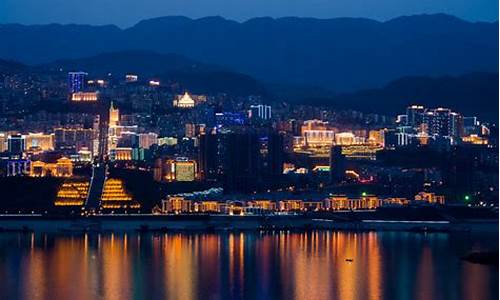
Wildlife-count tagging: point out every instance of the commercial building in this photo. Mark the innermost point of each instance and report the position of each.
(342, 202)
(178, 169)
(176, 205)
(15, 144)
(76, 82)
(146, 140)
(114, 115)
(428, 197)
(74, 139)
(63, 167)
(291, 205)
(260, 112)
(38, 142)
(85, 97)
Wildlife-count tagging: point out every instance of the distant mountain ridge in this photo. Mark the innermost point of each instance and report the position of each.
(341, 54)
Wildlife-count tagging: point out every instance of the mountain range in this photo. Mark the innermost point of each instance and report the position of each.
(341, 54)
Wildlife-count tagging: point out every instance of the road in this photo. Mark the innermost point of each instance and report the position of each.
(99, 167)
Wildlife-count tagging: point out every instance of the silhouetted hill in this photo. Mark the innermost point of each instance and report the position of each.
(145, 63)
(9, 67)
(472, 94)
(342, 54)
(192, 75)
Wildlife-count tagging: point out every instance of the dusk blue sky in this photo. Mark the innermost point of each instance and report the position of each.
(126, 13)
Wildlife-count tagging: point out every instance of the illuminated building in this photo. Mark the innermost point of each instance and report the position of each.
(313, 205)
(169, 141)
(405, 135)
(188, 101)
(394, 201)
(401, 119)
(288, 167)
(260, 111)
(207, 207)
(131, 78)
(443, 122)
(429, 198)
(176, 205)
(63, 167)
(376, 137)
(74, 139)
(262, 204)
(475, 140)
(85, 155)
(342, 202)
(193, 130)
(154, 83)
(118, 130)
(121, 154)
(321, 168)
(471, 126)
(15, 144)
(114, 196)
(291, 205)
(18, 167)
(3, 142)
(348, 138)
(39, 142)
(433, 125)
(76, 82)
(317, 133)
(184, 101)
(223, 119)
(233, 208)
(364, 151)
(146, 140)
(85, 97)
(414, 115)
(114, 115)
(179, 169)
(72, 193)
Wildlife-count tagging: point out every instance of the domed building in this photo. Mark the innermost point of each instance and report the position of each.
(184, 101)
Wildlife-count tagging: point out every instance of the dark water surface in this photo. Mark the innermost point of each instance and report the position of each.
(282, 265)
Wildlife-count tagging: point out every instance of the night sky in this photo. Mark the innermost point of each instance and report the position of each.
(126, 13)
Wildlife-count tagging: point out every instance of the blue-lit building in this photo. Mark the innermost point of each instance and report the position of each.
(230, 119)
(76, 82)
(260, 112)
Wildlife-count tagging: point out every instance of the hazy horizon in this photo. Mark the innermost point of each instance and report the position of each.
(105, 12)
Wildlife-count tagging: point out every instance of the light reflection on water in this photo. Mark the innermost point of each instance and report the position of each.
(306, 265)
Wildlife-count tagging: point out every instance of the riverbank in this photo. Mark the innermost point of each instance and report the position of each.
(165, 223)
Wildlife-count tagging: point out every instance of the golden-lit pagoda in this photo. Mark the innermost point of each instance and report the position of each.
(72, 193)
(115, 196)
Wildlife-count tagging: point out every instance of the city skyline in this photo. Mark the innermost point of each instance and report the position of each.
(353, 155)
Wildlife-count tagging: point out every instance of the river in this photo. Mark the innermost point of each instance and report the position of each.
(251, 265)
